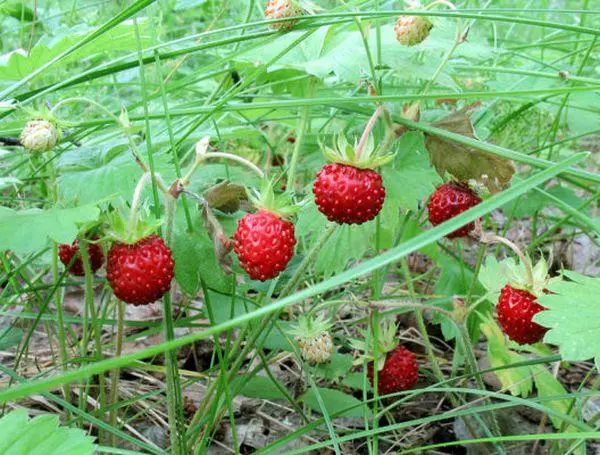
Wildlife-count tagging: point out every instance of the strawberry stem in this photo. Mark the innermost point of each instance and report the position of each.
(522, 257)
(368, 129)
(135, 201)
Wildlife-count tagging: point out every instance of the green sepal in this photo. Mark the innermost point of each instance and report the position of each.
(517, 276)
(281, 205)
(345, 153)
(307, 327)
(44, 113)
(387, 341)
(120, 231)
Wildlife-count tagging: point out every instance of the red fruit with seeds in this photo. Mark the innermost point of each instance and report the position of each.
(448, 201)
(66, 253)
(516, 308)
(348, 195)
(140, 273)
(264, 244)
(400, 371)
(281, 9)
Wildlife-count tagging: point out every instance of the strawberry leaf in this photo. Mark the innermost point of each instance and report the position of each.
(25, 231)
(463, 162)
(41, 435)
(573, 317)
(335, 401)
(517, 380)
(410, 178)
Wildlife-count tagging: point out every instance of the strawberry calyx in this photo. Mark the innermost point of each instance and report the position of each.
(386, 342)
(308, 326)
(281, 205)
(536, 282)
(124, 231)
(362, 156)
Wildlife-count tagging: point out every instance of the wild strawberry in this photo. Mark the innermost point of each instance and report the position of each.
(140, 273)
(313, 338)
(516, 308)
(397, 367)
(448, 201)
(66, 253)
(40, 135)
(412, 30)
(282, 9)
(348, 190)
(400, 371)
(348, 195)
(264, 244)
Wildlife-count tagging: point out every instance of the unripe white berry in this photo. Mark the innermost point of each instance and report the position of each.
(39, 136)
(412, 30)
(317, 349)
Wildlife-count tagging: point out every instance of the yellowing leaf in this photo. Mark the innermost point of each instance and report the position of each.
(464, 162)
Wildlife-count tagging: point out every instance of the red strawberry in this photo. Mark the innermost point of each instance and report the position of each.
(140, 273)
(67, 252)
(281, 9)
(516, 308)
(264, 244)
(448, 201)
(400, 371)
(348, 195)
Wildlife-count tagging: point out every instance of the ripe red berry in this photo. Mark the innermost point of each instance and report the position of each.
(67, 252)
(400, 371)
(140, 273)
(448, 201)
(264, 244)
(348, 195)
(516, 308)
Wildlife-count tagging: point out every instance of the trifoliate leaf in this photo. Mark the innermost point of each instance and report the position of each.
(41, 436)
(25, 231)
(573, 317)
(335, 401)
(260, 387)
(464, 162)
(517, 380)
(410, 178)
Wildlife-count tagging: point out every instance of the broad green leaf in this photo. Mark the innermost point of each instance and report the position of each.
(573, 317)
(195, 257)
(260, 387)
(548, 386)
(335, 401)
(337, 367)
(41, 436)
(410, 178)
(356, 381)
(19, 64)
(10, 337)
(26, 231)
(517, 380)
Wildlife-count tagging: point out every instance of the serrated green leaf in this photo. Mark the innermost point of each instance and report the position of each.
(573, 316)
(410, 178)
(335, 401)
(548, 386)
(260, 387)
(41, 436)
(517, 380)
(25, 231)
(195, 258)
(337, 367)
